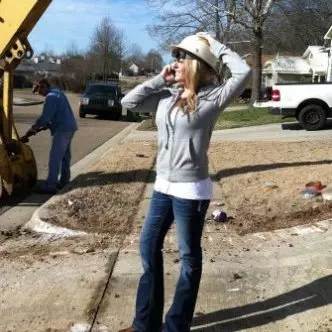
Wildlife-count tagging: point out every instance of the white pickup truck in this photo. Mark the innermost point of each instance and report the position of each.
(310, 103)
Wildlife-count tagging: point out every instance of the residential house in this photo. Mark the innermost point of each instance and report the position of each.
(133, 69)
(24, 74)
(284, 69)
(318, 61)
(328, 38)
(47, 66)
(310, 67)
(41, 66)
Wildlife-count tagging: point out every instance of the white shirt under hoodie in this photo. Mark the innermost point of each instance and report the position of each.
(184, 138)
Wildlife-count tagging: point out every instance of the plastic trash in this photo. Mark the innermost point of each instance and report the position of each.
(269, 186)
(327, 194)
(314, 185)
(219, 216)
(309, 193)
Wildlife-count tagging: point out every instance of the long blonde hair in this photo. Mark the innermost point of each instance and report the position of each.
(197, 74)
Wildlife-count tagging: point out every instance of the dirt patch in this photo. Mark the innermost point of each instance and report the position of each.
(105, 199)
(29, 247)
(246, 171)
(102, 202)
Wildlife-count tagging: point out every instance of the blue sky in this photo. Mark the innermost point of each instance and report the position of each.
(67, 21)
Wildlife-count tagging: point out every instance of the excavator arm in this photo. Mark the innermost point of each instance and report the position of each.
(18, 169)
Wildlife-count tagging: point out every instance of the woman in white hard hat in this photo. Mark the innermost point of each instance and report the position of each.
(185, 119)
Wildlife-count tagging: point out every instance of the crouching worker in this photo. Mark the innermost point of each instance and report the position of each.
(58, 115)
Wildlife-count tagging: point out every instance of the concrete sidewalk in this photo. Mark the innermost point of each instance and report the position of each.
(49, 283)
(290, 132)
(273, 281)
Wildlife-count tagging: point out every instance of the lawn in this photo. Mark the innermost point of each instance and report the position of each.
(248, 117)
(236, 119)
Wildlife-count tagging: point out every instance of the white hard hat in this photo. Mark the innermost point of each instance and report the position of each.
(197, 46)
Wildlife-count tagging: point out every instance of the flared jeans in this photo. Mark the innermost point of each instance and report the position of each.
(189, 216)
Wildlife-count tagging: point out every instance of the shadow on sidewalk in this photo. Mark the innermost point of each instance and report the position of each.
(313, 295)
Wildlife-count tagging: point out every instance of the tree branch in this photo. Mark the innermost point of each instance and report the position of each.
(267, 9)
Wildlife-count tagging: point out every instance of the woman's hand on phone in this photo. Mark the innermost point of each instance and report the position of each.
(168, 74)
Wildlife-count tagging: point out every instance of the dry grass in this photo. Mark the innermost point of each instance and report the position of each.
(106, 198)
(244, 168)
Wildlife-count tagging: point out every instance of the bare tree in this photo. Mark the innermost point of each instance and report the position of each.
(120, 49)
(76, 69)
(252, 15)
(222, 18)
(72, 49)
(182, 17)
(297, 24)
(107, 46)
(153, 61)
(135, 54)
(276, 25)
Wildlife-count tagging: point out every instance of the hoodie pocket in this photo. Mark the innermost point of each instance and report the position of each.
(184, 154)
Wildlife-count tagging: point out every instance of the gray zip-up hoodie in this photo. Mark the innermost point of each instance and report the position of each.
(183, 146)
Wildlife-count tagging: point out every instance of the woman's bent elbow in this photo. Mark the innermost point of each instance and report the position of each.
(127, 104)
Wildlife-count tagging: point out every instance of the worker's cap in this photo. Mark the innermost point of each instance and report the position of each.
(35, 87)
(198, 48)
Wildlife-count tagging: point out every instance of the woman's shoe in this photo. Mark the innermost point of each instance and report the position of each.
(128, 329)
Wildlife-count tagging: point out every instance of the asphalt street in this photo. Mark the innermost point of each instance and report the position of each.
(93, 132)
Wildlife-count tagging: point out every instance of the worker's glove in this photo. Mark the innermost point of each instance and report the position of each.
(32, 131)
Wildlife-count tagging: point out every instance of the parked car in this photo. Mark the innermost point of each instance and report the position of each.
(101, 98)
(310, 103)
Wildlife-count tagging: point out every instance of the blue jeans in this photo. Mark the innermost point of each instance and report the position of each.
(189, 217)
(59, 159)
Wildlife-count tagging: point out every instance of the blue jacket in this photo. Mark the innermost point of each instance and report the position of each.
(57, 112)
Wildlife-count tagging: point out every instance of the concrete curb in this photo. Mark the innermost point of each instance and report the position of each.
(26, 102)
(39, 226)
(36, 222)
(31, 103)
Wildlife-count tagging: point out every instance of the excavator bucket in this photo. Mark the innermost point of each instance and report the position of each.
(18, 168)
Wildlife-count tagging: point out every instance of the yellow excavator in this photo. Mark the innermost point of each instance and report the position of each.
(18, 169)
